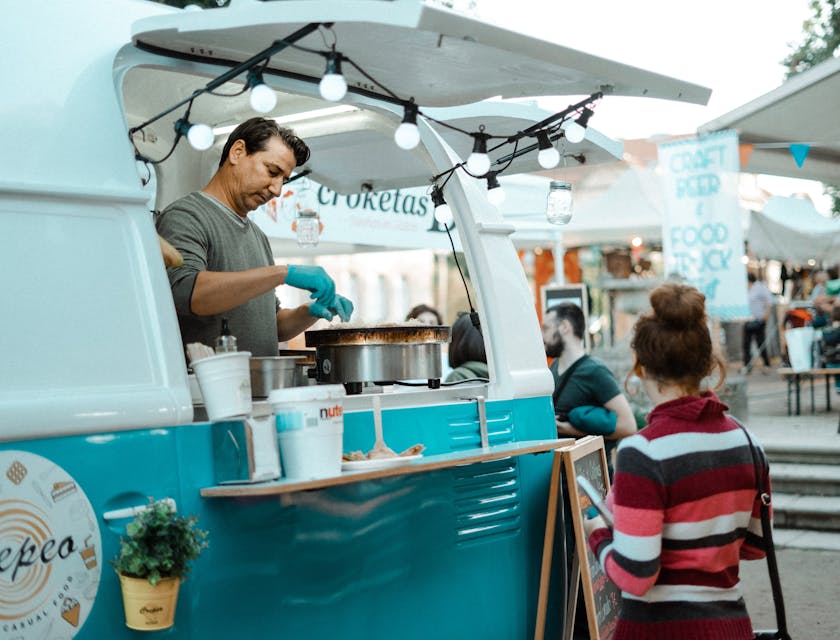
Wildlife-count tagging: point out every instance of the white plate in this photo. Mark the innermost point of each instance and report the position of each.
(377, 463)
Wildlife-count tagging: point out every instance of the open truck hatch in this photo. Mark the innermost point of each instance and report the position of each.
(437, 56)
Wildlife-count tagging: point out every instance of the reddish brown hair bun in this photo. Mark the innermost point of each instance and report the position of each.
(672, 341)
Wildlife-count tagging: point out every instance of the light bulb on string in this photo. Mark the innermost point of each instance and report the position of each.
(407, 135)
(333, 86)
(479, 162)
(575, 130)
(495, 194)
(548, 156)
(262, 97)
(200, 136)
(443, 214)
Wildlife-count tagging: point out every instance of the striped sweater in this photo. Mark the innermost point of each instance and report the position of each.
(685, 507)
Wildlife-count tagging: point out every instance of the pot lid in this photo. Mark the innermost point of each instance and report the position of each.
(437, 56)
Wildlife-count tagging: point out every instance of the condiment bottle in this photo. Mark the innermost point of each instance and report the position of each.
(226, 342)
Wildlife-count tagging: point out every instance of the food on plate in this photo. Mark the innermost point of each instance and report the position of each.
(414, 450)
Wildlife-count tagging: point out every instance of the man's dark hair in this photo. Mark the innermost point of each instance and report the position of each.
(751, 277)
(571, 312)
(256, 132)
(467, 342)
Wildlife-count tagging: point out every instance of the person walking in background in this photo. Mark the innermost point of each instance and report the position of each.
(685, 499)
(467, 356)
(760, 302)
(587, 400)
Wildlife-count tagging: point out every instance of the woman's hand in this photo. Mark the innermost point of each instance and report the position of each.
(591, 524)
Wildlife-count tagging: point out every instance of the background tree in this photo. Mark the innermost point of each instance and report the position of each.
(820, 41)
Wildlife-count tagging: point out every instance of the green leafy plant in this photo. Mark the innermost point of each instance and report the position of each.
(159, 544)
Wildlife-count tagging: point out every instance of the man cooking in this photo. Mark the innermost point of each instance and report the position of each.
(228, 267)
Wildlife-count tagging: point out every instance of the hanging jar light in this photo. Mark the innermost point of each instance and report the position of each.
(558, 208)
(307, 223)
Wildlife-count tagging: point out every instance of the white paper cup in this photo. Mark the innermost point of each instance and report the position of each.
(309, 454)
(225, 382)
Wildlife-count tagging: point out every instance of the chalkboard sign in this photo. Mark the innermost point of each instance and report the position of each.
(602, 597)
(585, 457)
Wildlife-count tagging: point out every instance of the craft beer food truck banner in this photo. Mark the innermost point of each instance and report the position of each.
(702, 237)
(398, 218)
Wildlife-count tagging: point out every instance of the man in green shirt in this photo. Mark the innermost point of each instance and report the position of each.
(586, 397)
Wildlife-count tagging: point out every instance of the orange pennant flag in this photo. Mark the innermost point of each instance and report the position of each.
(744, 153)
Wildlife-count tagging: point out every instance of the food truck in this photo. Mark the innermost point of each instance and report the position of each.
(96, 412)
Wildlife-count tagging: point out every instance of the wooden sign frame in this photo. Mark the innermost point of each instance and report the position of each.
(588, 458)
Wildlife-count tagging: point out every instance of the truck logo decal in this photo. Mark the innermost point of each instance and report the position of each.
(50, 550)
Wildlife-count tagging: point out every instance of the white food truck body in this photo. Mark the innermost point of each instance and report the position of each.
(95, 408)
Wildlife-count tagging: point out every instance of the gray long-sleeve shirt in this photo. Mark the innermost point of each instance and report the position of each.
(211, 237)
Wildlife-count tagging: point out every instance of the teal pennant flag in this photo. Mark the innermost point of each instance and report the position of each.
(799, 153)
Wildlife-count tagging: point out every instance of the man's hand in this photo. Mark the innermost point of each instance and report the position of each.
(566, 430)
(313, 279)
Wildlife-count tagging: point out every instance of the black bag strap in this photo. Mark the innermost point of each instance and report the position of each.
(767, 533)
(564, 379)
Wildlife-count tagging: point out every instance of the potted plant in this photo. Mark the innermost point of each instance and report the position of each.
(153, 559)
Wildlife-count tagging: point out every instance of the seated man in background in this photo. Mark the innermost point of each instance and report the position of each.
(587, 399)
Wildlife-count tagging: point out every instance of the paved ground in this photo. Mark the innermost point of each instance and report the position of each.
(809, 562)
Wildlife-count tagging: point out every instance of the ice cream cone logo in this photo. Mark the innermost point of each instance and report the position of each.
(70, 610)
(88, 553)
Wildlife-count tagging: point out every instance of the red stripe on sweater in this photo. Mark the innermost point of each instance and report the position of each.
(706, 483)
(712, 506)
(638, 522)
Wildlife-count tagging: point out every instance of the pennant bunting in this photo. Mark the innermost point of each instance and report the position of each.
(799, 153)
(744, 153)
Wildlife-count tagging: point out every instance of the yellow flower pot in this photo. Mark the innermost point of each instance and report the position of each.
(149, 607)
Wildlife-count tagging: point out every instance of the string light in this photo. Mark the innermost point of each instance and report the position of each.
(333, 86)
(495, 194)
(443, 214)
(200, 136)
(479, 162)
(548, 156)
(407, 135)
(575, 130)
(262, 98)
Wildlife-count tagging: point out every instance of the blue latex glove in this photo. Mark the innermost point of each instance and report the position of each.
(340, 306)
(343, 307)
(317, 310)
(313, 279)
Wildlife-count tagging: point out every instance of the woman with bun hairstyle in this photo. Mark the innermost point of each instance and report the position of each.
(684, 493)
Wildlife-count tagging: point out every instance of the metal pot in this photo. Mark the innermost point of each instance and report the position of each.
(379, 354)
(271, 373)
(304, 366)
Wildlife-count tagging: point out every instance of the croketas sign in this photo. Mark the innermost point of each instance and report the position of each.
(50, 550)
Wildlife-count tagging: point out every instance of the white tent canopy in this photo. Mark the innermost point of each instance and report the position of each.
(791, 229)
(802, 110)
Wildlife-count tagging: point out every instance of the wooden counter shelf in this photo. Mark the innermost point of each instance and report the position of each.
(424, 464)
